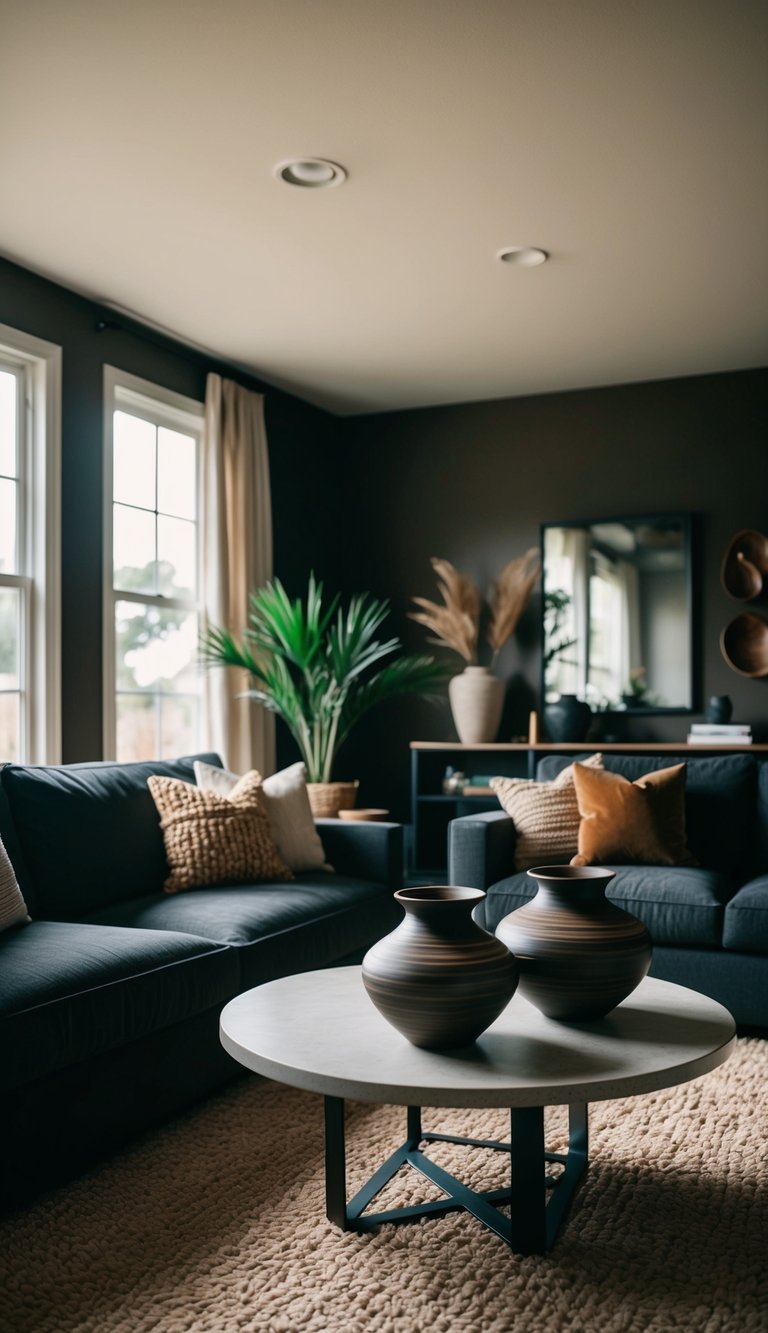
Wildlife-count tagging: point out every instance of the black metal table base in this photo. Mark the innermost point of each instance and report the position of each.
(537, 1201)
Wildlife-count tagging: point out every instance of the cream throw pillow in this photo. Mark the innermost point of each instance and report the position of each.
(211, 839)
(287, 805)
(13, 909)
(545, 815)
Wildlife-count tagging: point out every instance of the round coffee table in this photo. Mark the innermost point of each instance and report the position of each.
(319, 1031)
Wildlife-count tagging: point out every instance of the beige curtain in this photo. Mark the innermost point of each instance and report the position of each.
(237, 558)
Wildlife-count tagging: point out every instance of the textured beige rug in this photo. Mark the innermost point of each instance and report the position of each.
(216, 1223)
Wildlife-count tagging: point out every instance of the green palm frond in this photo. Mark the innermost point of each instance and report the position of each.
(314, 664)
(351, 643)
(293, 628)
(219, 648)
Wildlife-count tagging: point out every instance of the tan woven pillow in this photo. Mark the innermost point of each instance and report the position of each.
(211, 839)
(623, 821)
(545, 815)
(287, 805)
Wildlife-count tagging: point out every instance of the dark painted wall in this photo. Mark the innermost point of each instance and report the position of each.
(472, 483)
(303, 442)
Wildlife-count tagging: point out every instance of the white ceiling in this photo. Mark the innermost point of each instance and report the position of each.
(627, 137)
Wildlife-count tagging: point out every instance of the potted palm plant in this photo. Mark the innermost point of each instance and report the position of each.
(319, 666)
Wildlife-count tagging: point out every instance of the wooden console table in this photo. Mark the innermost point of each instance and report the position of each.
(432, 810)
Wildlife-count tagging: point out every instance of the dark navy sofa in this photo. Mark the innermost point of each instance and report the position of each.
(708, 924)
(110, 996)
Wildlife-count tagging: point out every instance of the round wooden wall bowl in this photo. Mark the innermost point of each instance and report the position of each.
(744, 645)
(745, 565)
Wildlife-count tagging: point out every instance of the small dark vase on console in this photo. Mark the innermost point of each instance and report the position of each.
(568, 719)
(719, 708)
(439, 978)
(579, 954)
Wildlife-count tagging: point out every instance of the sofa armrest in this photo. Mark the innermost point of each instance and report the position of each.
(364, 850)
(481, 849)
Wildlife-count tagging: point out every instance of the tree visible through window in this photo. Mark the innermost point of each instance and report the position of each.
(155, 577)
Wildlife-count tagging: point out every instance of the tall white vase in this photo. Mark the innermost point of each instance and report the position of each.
(477, 699)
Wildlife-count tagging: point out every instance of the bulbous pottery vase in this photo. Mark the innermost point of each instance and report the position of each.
(477, 701)
(439, 978)
(579, 954)
(568, 719)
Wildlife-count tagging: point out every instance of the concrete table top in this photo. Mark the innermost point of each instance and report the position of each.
(320, 1032)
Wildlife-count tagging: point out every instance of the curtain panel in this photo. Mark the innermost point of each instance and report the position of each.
(237, 558)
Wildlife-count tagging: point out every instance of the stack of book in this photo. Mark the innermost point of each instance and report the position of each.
(478, 785)
(720, 733)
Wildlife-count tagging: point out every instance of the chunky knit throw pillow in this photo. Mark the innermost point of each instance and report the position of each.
(287, 805)
(211, 839)
(545, 815)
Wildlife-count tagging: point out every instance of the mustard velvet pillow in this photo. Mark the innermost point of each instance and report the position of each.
(623, 821)
(213, 839)
(545, 815)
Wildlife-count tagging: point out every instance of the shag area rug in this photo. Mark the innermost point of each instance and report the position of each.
(216, 1223)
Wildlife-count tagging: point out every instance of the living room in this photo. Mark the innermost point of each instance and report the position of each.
(421, 399)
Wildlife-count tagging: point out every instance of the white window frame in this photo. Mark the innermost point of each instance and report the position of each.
(165, 408)
(37, 364)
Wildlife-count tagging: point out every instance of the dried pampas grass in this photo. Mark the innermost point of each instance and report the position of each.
(456, 623)
(511, 594)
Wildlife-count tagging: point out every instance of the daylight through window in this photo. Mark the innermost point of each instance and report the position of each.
(153, 457)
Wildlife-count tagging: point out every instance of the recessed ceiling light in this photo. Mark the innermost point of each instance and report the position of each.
(525, 256)
(312, 173)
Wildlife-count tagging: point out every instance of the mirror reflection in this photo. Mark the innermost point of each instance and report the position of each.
(617, 613)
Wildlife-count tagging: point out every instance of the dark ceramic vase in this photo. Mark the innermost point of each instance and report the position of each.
(568, 719)
(438, 977)
(579, 954)
(719, 708)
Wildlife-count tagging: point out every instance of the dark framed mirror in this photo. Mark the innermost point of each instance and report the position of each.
(618, 613)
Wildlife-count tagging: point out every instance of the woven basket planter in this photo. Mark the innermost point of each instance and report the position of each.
(328, 798)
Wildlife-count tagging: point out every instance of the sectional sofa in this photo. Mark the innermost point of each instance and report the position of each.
(110, 995)
(708, 923)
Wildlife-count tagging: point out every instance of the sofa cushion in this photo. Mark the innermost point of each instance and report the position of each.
(641, 821)
(276, 929)
(545, 815)
(679, 905)
(720, 802)
(87, 834)
(73, 991)
(287, 803)
(212, 839)
(746, 918)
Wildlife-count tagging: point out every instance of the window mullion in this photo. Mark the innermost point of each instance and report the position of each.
(157, 502)
(25, 664)
(158, 599)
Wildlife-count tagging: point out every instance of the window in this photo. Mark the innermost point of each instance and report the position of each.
(153, 708)
(30, 377)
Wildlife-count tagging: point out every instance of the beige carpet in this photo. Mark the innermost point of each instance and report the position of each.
(216, 1223)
